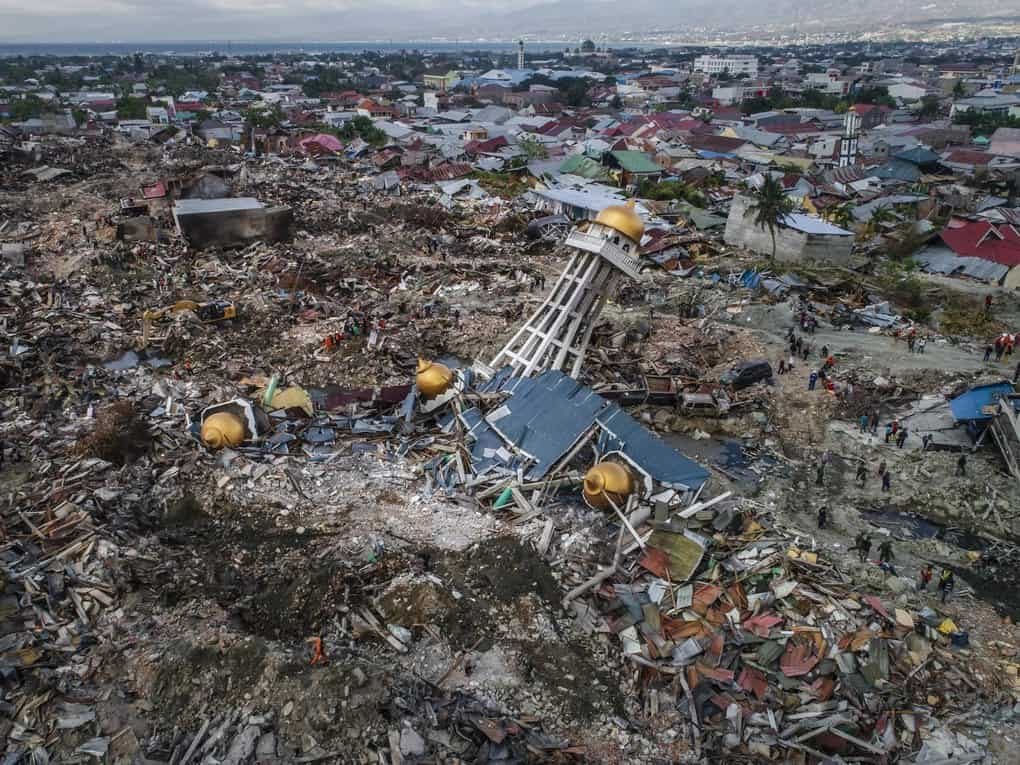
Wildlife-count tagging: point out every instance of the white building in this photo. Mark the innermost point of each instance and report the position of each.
(907, 91)
(733, 64)
(727, 95)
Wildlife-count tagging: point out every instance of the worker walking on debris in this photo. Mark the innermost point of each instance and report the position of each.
(862, 423)
(862, 473)
(901, 438)
(947, 580)
(1016, 374)
(886, 481)
(862, 544)
(961, 465)
(782, 365)
(874, 423)
(924, 579)
(823, 516)
(888, 432)
(812, 380)
(926, 440)
(988, 352)
(885, 553)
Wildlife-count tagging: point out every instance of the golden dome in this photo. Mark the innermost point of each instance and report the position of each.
(433, 379)
(605, 481)
(222, 429)
(624, 219)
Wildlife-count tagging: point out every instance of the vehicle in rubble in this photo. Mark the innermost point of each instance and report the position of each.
(217, 310)
(747, 373)
(707, 402)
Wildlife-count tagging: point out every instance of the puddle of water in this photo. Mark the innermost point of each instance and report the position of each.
(914, 526)
(726, 453)
(130, 360)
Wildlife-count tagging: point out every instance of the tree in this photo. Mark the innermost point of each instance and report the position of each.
(616, 103)
(769, 208)
(532, 148)
(26, 108)
(843, 216)
(130, 108)
(959, 91)
(929, 106)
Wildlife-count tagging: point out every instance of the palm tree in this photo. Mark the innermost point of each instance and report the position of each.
(770, 207)
(880, 216)
(843, 216)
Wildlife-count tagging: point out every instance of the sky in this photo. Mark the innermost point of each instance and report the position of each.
(289, 20)
(127, 21)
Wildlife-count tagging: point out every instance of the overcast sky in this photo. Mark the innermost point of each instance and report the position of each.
(287, 20)
(400, 20)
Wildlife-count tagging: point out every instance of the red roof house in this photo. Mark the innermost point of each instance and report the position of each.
(981, 239)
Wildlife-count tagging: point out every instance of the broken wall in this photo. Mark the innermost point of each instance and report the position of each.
(232, 227)
(791, 246)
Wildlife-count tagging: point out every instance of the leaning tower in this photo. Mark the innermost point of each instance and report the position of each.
(557, 334)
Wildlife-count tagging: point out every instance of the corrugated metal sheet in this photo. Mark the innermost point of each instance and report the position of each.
(548, 414)
(811, 225)
(621, 432)
(969, 405)
(944, 261)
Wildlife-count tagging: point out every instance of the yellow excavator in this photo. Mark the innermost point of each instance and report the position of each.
(217, 310)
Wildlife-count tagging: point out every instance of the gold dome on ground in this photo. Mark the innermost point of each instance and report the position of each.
(222, 429)
(433, 379)
(623, 218)
(608, 481)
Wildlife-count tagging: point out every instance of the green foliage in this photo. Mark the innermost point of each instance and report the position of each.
(532, 148)
(668, 190)
(984, 123)
(777, 99)
(573, 90)
(328, 80)
(929, 106)
(506, 185)
(362, 127)
(266, 119)
(194, 75)
(131, 108)
(770, 207)
(875, 94)
(27, 108)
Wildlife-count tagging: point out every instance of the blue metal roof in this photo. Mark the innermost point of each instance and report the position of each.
(548, 414)
(967, 406)
(622, 433)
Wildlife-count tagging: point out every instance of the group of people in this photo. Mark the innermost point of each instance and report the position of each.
(1002, 348)
(883, 474)
(896, 433)
(862, 544)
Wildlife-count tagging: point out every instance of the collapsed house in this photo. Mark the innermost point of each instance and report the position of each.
(798, 238)
(230, 221)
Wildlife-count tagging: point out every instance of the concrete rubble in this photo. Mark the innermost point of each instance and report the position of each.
(371, 571)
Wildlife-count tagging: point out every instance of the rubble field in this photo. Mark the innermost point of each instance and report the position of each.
(351, 588)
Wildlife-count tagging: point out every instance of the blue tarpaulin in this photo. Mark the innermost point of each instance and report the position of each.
(969, 406)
